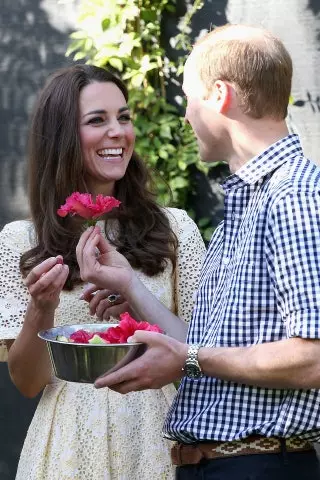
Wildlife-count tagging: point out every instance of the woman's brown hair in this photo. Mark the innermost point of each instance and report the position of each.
(56, 169)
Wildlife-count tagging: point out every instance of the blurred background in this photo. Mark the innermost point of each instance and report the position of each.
(35, 37)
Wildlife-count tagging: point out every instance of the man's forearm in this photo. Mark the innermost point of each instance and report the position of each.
(292, 363)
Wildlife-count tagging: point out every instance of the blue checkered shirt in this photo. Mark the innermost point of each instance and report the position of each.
(260, 283)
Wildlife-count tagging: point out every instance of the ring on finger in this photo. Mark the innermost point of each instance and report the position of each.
(113, 297)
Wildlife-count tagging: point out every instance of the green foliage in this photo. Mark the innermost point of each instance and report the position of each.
(124, 35)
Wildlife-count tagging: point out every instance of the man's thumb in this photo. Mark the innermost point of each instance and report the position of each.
(142, 336)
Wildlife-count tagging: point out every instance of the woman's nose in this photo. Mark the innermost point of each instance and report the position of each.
(114, 130)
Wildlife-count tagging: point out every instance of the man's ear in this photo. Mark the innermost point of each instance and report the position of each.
(220, 96)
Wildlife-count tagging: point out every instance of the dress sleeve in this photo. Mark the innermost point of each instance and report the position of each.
(14, 295)
(190, 256)
(293, 258)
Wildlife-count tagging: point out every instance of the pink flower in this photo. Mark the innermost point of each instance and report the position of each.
(82, 204)
(126, 328)
(148, 327)
(81, 336)
(119, 334)
(114, 335)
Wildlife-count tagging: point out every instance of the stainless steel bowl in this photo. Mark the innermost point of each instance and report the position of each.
(84, 363)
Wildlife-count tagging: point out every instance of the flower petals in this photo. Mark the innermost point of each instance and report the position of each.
(119, 334)
(82, 204)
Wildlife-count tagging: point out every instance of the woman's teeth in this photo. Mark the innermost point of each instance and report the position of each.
(110, 152)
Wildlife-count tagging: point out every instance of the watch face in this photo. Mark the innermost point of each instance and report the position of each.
(193, 371)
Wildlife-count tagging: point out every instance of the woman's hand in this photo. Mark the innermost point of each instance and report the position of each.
(109, 269)
(102, 304)
(45, 282)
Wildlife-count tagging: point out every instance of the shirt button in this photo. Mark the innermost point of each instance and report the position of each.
(226, 260)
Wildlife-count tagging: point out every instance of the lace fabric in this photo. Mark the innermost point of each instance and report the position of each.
(79, 432)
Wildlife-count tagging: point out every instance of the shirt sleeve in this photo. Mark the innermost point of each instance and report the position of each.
(190, 257)
(293, 259)
(14, 296)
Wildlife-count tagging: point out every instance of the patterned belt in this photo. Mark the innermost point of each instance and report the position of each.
(182, 454)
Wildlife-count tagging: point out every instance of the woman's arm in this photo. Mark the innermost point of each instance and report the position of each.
(28, 359)
(112, 271)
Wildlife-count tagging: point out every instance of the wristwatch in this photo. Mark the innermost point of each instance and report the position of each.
(192, 368)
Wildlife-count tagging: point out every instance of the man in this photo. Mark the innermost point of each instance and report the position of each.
(249, 400)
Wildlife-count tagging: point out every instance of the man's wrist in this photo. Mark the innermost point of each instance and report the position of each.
(192, 368)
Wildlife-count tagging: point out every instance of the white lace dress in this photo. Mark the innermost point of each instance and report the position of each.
(79, 432)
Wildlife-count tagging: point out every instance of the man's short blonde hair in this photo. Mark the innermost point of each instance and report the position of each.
(254, 61)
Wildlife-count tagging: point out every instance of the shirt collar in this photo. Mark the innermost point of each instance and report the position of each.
(266, 162)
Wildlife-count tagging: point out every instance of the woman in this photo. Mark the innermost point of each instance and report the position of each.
(82, 139)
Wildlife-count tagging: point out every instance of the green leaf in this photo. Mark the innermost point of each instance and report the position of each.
(178, 182)
(207, 234)
(79, 34)
(137, 80)
(105, 24)
(79, 56)
(163, 153)
(165, 132)
(204, 221)
(116, 63)
(74, 46)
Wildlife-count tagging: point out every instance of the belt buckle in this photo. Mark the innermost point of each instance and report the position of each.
(182, 454)
(176, 454)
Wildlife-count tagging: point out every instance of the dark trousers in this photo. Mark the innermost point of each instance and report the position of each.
(272, 466)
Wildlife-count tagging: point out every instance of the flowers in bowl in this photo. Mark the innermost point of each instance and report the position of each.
(113, 335)
(83, 205)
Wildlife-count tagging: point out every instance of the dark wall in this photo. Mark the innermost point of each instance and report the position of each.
(30, 48)
(15, 415)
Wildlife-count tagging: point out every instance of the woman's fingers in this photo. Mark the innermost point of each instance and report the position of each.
(88, 292)
(115, 311)
(87, 255)
(104, 246)
(100, 297)
(101, 305)
(50, 281)
(84, 242)
(83, 239)
(37, 272)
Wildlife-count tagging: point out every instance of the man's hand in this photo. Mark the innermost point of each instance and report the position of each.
(160, 365)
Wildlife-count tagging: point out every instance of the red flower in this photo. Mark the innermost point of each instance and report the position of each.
(126, 328)
(83, 205)
(148, 327)
(114, 335)
(119, 334)
(81, 336)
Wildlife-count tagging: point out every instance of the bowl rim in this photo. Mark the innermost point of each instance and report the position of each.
(103, 345)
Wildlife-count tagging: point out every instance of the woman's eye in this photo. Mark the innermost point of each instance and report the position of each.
(96, 120)
(125, 118)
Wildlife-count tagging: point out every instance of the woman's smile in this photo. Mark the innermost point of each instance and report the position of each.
(107, 135)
